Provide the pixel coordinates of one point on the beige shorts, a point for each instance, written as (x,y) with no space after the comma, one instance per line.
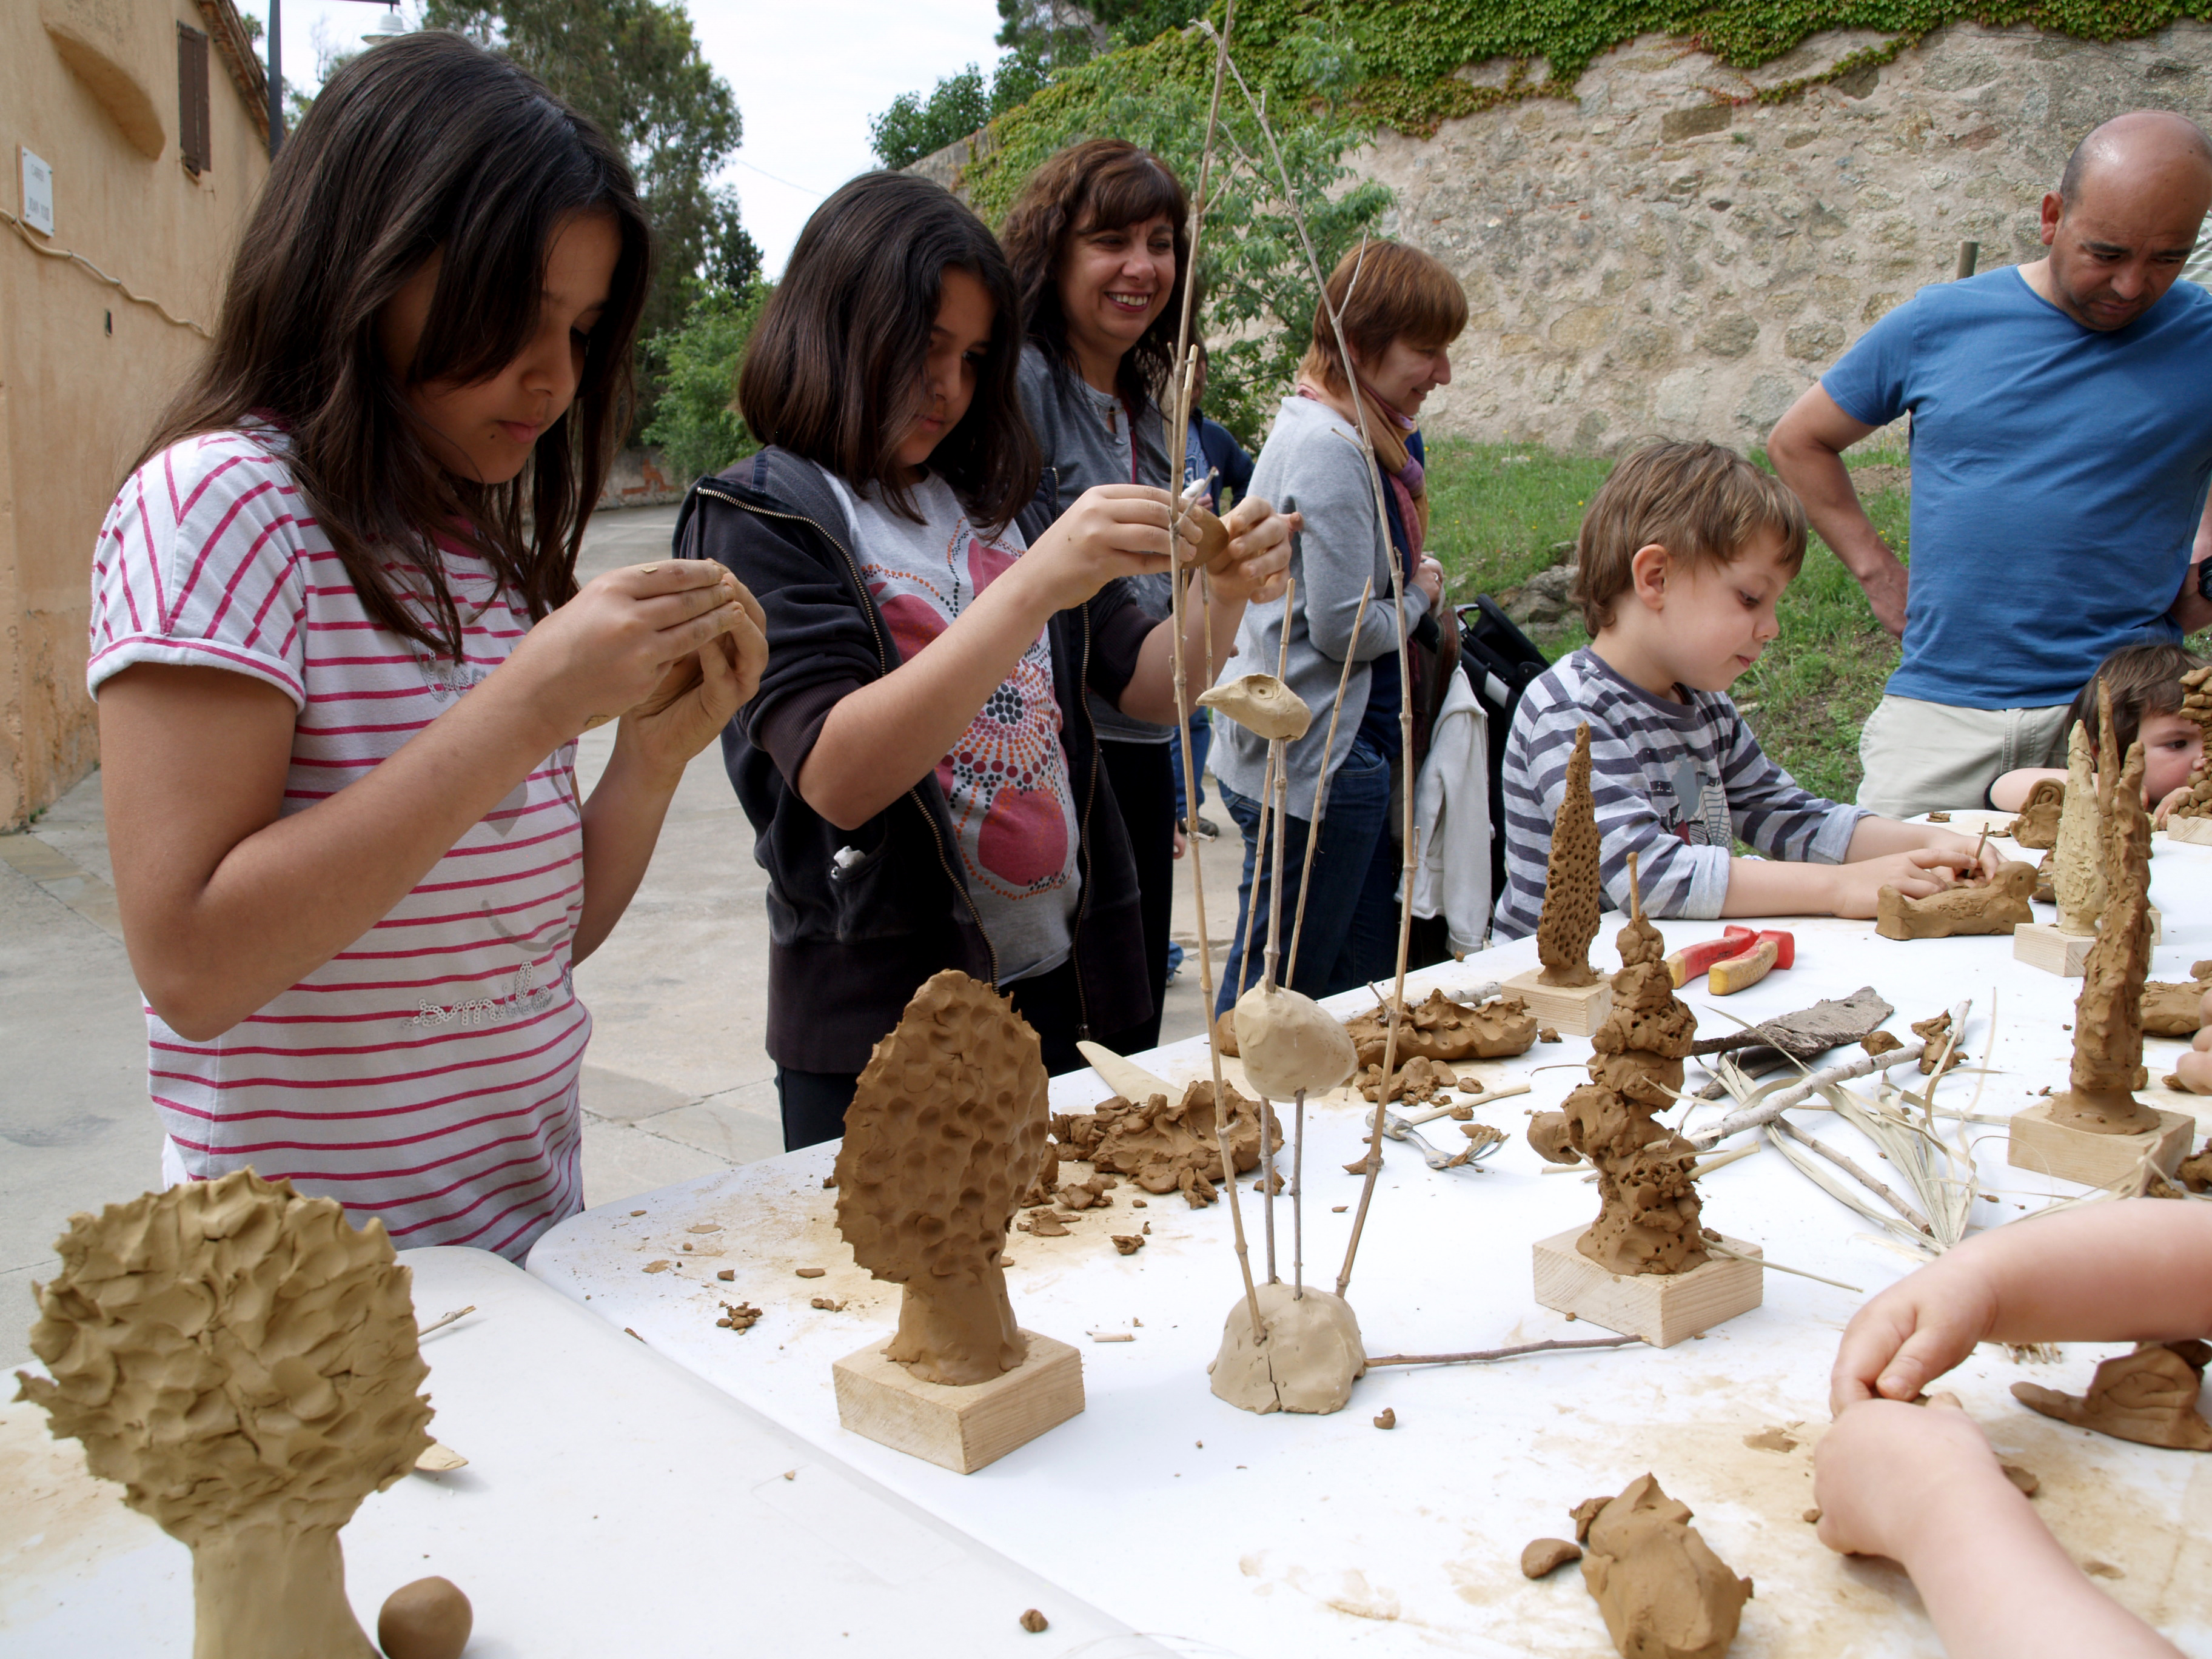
(1927,756)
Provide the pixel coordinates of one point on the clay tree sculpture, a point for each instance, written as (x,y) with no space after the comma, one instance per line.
(244,1361)
(2037,824)
(1648,1201)
(2108,1032)
(2148,1396)
(1574,894)
(1663,1593)
(2077,874)
(946,1134)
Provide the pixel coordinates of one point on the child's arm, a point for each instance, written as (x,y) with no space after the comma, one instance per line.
(2009,792)
(1259,553)
(1920,1486)
(883,736)
(227,902)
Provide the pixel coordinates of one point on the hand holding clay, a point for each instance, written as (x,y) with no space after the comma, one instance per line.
(1922,872)
(1113,530)
(696,697)
(1913,1332)
(1251,571)
(1889,1477)
(612,646)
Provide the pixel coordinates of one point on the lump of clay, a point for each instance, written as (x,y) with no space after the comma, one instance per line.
(2108,1014)
(430,1619)
(1663,1591)
(1648,1204)
(1165,1148)
(1308,1363)
(1545,1556)
(1996,905)
(2037,826)
(946,1134)
(1416,1080)
(1440,1029)
(1574,888)
(1225,1032)
(1262,705)
(1290,1042)
(2173,1010)
(2148,1396)
(244,1363)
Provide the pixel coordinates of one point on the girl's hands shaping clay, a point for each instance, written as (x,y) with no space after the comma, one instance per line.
(1887,1472)
(1911,1333)
(697,695)
(1259,555)
(1113,530)
(610,647)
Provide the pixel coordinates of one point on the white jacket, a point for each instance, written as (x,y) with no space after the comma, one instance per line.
(1451,811)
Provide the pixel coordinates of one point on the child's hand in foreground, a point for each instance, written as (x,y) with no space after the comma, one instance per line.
(1887,1472)
(1906,1336)
(2195,1067)
(1920,873)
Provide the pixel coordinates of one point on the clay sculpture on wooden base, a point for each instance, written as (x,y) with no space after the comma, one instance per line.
(2097,1131)
(2148,1396)
(244,1361)
(944,1139)
(2037,825)
(1567,991)
(1663,1593)
(2077,874)
(1995,904)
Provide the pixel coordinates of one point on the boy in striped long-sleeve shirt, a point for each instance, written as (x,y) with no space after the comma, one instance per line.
(1683,556)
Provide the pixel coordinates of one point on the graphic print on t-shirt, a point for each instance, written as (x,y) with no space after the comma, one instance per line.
(1006,780)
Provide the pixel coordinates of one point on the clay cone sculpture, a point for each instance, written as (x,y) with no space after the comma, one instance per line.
(2108,1030)
(1648,1215)
(946,1134)
(2148,1396)
(1308,1363)
(2077,872)
(1262,705)
(1288,1041)
(244,1361)
(1574,888)
(1663,1592)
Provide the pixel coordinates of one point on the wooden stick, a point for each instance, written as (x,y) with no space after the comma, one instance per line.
(1279,766)
(1320,785)
(1896,1201)
(1772,1107)
(1298,1205)
(440,1323)
(1480,1355)
(1761,1262)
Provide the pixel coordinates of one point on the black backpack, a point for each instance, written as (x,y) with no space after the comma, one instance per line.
(1499,661)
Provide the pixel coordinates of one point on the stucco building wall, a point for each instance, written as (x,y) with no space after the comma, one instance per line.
(1643,261)
(91,87)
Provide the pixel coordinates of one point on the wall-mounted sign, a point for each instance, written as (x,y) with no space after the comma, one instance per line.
(38,194)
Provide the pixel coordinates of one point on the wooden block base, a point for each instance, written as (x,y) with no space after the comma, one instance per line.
(2040,944)
(2094,1160)
(1572,1010)
(960,1429)
(1663,1309)
(2198,831)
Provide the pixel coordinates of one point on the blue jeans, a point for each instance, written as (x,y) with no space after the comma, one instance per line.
(1350,931)
(1201,743)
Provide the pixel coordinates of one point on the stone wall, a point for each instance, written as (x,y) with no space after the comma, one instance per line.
(1647,261)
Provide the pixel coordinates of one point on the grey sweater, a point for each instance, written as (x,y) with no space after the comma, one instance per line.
(1312,465)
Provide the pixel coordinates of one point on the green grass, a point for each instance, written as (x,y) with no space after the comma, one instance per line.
(1499,513)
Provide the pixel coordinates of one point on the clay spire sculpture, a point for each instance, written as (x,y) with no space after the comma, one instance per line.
(946,1133)
(2077,876)
(1648,1202)
(1573,891)
(2108,1035)
(244,1361)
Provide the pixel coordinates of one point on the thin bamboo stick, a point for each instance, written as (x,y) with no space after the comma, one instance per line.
(1896,1200)
(1298,1205)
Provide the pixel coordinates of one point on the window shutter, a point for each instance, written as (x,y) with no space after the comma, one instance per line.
(192,115)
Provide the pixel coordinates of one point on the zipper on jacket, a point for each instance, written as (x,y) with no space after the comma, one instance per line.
(1083,833)
(883,663)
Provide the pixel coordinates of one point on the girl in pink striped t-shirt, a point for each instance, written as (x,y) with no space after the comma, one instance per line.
(341,661)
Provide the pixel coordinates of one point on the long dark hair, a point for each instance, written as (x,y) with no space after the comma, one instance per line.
(422,144)
(1103,185)
(834,370)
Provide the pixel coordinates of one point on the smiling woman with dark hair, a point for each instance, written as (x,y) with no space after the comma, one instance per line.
(1099,245)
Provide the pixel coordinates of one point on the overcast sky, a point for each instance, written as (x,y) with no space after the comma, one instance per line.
(807,74)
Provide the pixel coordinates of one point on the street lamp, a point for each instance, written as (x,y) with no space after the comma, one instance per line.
(385,28)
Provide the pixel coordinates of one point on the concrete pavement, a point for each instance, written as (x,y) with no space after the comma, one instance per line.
(676,1083)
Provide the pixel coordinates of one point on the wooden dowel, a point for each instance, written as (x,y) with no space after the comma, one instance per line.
(1481,1356)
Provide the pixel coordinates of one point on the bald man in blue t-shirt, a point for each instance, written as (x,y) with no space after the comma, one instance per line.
(2061,444)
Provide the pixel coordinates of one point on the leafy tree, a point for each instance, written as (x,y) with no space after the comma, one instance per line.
(633,66)
(697,364)
(914,126)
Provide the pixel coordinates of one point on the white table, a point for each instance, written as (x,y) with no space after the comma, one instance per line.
(614,1505)
(1298,1535)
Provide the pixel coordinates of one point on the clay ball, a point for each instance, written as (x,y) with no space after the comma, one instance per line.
(1288,1041)
(430,1619)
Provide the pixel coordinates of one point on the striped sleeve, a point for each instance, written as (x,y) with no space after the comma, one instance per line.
(1771,811)
(199,565)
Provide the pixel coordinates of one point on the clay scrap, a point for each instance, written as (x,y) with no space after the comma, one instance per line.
(2037,825)
(1416,1080)
(430,1619)
(1574,887)
(244,1363)
(2176,1011)
(1663,1593)
(1164,1148)
(946,1134)
(1989,904)
(1648,1215)
(2148,1396)
(1545,1556)
(1440,1029)
(2108,1021)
